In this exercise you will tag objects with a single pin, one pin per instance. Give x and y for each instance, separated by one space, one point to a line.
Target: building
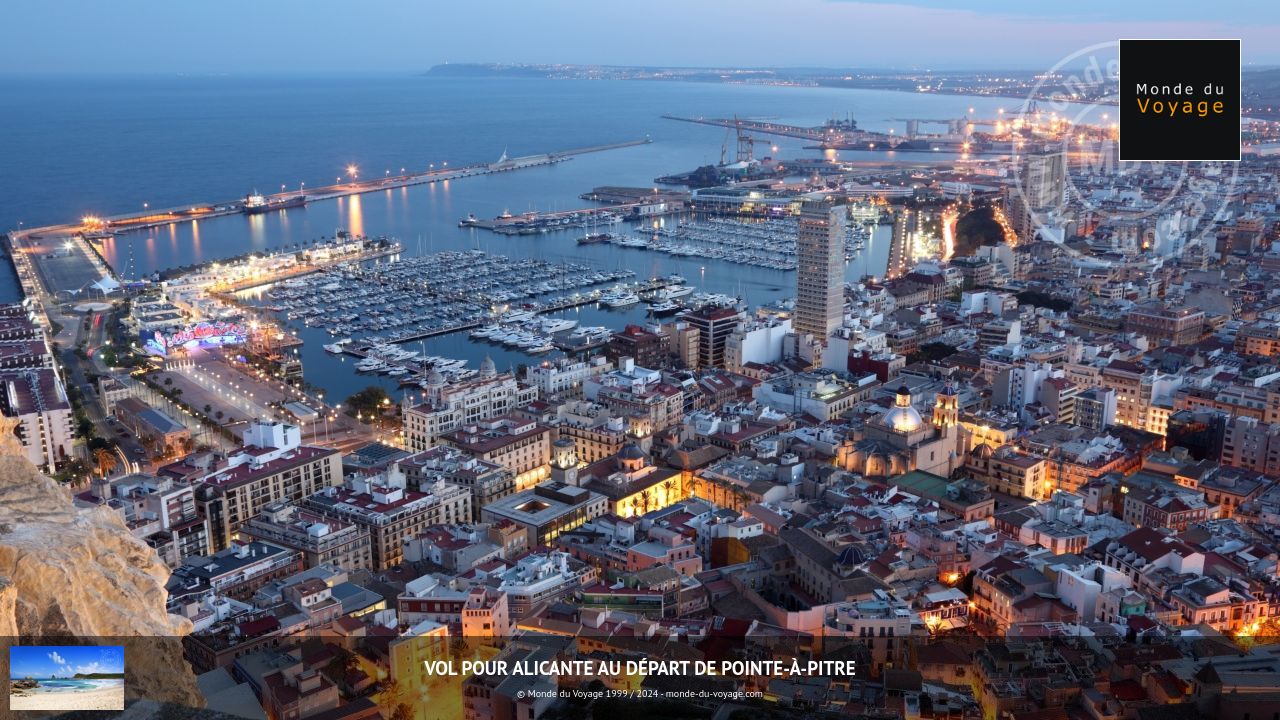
714 325
998 333
821 395
819 270
321 539
389 512
445 407
272 465
900 440
648 346
486 615
237 571
520 445
596 431
487 481
160 433
1251 444
1158 508
1095 408
1162 325
639 394
756 340
36 398
1007 470
1040 191
157 510
564 377
630 482
886 625
547 510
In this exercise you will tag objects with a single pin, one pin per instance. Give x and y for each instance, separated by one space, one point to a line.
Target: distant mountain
99 676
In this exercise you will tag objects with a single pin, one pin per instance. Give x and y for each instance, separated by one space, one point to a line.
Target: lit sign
199 335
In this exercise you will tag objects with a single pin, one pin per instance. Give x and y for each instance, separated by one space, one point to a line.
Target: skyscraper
1041 189
820 275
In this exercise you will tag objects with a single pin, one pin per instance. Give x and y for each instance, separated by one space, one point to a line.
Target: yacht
664 307
671 292
618 300
555 325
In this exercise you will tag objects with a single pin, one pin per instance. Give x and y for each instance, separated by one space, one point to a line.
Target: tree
208 408
105 460
168 381
402 712
218 415
368 401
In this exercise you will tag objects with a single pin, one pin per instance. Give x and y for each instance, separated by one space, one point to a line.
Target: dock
38 241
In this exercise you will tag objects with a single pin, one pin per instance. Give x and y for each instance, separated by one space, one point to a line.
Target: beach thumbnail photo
66 677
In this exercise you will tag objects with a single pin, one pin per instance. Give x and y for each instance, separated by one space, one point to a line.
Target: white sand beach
103 698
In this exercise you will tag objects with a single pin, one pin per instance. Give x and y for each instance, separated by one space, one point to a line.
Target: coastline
104 698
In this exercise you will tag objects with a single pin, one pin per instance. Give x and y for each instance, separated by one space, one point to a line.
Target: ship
255 203
593 238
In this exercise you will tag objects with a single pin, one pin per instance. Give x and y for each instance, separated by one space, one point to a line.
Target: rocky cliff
72 574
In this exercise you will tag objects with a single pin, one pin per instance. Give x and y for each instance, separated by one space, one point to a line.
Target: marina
435 294
768 243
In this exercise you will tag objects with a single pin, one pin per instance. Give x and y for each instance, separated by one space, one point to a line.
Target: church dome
851 555
487 368
631 451
903 418
435 377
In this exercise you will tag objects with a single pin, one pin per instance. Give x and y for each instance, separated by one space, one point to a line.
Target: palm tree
105 460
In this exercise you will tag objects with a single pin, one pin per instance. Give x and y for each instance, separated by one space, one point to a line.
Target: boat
255 203
469 221
620 299
335 348
665 307
593 238
555 325
671 292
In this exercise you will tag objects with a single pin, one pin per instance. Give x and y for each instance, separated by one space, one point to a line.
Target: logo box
1180 100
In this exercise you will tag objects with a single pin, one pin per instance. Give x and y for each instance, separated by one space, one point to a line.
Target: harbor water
106 146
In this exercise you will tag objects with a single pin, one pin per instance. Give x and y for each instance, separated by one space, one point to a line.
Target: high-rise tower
820 275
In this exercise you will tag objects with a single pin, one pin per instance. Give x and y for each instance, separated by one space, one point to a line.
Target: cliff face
69 574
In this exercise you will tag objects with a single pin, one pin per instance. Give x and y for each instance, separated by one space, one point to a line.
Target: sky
42 661
409 36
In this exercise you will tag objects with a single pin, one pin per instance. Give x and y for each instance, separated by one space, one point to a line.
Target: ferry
255 203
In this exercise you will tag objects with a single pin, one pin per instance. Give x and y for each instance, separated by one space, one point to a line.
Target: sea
71 685
77 146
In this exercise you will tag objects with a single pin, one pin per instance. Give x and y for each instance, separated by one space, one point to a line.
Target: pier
32 247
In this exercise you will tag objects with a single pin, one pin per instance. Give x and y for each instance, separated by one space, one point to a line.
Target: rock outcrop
71 574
